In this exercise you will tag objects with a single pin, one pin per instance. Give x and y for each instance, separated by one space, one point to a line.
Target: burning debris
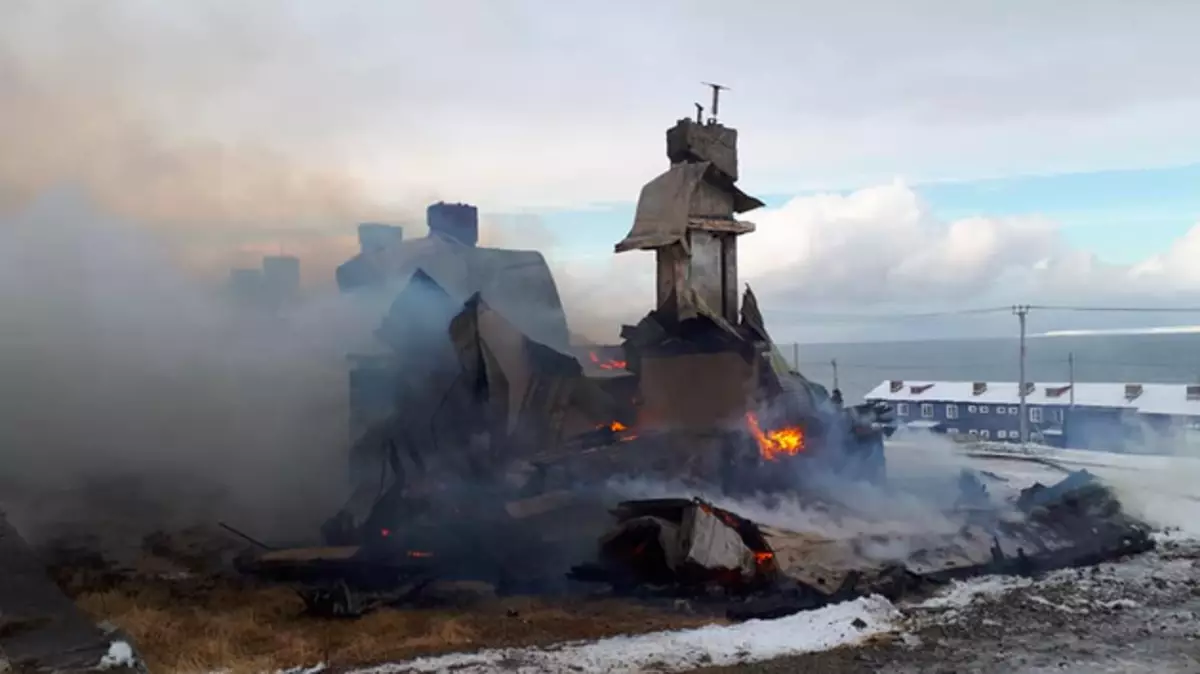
771 444
487 448
694 547
497 464
610 364
511 460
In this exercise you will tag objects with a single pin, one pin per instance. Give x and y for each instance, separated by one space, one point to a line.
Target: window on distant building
999 410
951 431
1002 434
902 409
983 434
974 432
951 411
927 410
1035 415
1058 415
983 409
1013 411
971 409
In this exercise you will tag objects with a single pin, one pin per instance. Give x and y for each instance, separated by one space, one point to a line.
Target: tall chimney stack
686 216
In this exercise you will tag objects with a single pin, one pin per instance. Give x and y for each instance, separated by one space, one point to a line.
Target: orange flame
620 429
607 364
771 444
762 558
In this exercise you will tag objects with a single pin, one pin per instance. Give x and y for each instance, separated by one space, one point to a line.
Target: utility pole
835 377
1021 312
1064 421
1071 374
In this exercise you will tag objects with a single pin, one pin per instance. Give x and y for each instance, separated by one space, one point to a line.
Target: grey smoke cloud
120 101
118 368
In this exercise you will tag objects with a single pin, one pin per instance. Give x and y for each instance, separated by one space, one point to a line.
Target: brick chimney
456 222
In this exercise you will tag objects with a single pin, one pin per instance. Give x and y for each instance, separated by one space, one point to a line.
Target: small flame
620 428
610 364
419 554
771 444
762 558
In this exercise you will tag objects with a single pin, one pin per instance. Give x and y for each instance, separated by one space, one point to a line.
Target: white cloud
881 250
1176 268
884 245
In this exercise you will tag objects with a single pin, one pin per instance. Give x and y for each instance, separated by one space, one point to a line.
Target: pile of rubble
694 547
495 460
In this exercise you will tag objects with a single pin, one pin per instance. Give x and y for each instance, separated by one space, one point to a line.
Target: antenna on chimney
716 91
699 113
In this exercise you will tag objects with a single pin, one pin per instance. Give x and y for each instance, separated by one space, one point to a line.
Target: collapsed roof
517 283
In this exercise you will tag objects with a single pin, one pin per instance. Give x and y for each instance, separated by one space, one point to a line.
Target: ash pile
498 450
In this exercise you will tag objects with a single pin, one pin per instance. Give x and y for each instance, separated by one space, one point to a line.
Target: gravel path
1138 615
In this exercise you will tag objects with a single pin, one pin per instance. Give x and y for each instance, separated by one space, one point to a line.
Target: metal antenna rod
699 113
716 99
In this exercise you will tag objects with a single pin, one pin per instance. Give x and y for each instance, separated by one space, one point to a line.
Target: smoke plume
126 104
121 374
133 177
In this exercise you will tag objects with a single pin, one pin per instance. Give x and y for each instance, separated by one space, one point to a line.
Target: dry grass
254 629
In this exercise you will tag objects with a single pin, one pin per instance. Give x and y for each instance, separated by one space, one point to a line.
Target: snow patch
303 670
120 654
962 593
1121 604
837 625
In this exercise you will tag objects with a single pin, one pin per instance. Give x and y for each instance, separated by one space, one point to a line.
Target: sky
916 155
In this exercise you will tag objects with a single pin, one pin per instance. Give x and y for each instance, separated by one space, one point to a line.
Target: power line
955 364
1114 310
891 316
850 316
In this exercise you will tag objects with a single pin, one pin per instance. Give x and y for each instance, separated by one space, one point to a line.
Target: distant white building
1111 416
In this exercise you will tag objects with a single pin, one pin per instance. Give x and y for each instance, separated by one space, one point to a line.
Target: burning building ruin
486 448
508 449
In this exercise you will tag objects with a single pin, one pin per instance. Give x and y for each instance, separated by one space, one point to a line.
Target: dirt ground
256 630
1140 615
183 621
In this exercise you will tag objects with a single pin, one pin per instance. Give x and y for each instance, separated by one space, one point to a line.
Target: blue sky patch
1121 216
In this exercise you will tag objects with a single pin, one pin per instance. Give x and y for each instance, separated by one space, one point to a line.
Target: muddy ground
1137 615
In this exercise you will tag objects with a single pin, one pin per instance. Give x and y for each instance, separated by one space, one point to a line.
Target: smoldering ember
493 454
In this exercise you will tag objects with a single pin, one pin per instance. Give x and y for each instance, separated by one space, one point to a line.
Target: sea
1123 358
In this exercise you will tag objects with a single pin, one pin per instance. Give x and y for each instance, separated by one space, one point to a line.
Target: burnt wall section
41 629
